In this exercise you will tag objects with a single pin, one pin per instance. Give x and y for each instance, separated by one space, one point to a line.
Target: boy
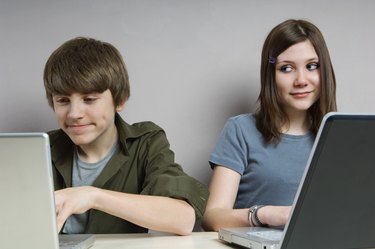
109 176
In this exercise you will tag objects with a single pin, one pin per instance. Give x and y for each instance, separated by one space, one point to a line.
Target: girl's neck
299 124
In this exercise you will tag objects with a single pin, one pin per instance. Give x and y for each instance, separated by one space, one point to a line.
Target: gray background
192 64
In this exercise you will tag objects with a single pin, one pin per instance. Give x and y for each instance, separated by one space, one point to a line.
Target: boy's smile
77 129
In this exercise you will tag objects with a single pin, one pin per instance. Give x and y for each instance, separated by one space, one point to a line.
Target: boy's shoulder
139 129
146 125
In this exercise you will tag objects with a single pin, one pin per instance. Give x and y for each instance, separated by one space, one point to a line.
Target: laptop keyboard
67 243
269 235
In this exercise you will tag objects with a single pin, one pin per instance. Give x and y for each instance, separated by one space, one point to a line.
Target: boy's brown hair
86 65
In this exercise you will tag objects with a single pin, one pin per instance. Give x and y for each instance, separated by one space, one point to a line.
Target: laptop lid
334 203
27 210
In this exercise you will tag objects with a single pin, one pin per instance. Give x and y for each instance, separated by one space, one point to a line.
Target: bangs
85 66
84 74
68 83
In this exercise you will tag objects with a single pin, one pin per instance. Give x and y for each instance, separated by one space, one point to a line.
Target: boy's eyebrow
70 94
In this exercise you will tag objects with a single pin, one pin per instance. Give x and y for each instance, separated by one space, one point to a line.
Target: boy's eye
62 100
312 66
286 68
89 99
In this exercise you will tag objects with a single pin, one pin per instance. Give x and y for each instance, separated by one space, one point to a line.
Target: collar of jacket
62 151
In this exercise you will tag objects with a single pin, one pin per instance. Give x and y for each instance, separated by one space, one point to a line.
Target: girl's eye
286 68
312 66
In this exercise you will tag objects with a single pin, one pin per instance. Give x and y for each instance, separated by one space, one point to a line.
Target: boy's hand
76 200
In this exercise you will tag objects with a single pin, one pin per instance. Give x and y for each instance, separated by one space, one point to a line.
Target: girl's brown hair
270 115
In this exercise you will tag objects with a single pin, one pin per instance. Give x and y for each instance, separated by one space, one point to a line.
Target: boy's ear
121 106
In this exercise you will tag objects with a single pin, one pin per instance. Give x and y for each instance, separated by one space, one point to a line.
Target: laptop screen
337 196
27 210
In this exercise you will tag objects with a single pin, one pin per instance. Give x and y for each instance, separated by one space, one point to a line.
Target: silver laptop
335 202
27 209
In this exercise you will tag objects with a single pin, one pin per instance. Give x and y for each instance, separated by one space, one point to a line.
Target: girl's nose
300 79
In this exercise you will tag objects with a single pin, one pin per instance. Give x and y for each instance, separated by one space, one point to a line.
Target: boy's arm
153 212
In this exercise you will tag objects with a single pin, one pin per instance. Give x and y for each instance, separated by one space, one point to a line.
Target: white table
199 240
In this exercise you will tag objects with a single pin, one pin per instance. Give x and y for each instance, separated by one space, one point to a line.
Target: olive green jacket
144 164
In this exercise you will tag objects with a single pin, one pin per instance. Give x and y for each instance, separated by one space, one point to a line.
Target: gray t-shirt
270 173
84 174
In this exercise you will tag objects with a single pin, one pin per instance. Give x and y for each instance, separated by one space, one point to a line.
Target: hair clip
271 59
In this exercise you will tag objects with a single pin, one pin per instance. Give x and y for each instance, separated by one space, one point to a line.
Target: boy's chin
80 140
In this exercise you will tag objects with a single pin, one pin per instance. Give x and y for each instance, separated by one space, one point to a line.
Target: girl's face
298 77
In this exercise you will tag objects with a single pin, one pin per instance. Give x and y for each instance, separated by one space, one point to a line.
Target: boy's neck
98 149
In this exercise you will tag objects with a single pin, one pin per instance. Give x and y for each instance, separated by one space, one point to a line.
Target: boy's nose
75 110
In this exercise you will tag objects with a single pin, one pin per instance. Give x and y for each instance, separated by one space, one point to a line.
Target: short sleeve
231 149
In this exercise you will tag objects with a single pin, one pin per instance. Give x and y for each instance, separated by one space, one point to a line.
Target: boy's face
88 119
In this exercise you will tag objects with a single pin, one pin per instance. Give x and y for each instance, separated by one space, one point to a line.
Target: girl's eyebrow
292 62
285 62
313 59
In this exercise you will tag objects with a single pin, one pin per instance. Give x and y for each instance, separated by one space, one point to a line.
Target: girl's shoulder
245 120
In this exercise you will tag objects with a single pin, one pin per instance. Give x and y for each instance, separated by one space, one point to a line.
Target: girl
260 158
